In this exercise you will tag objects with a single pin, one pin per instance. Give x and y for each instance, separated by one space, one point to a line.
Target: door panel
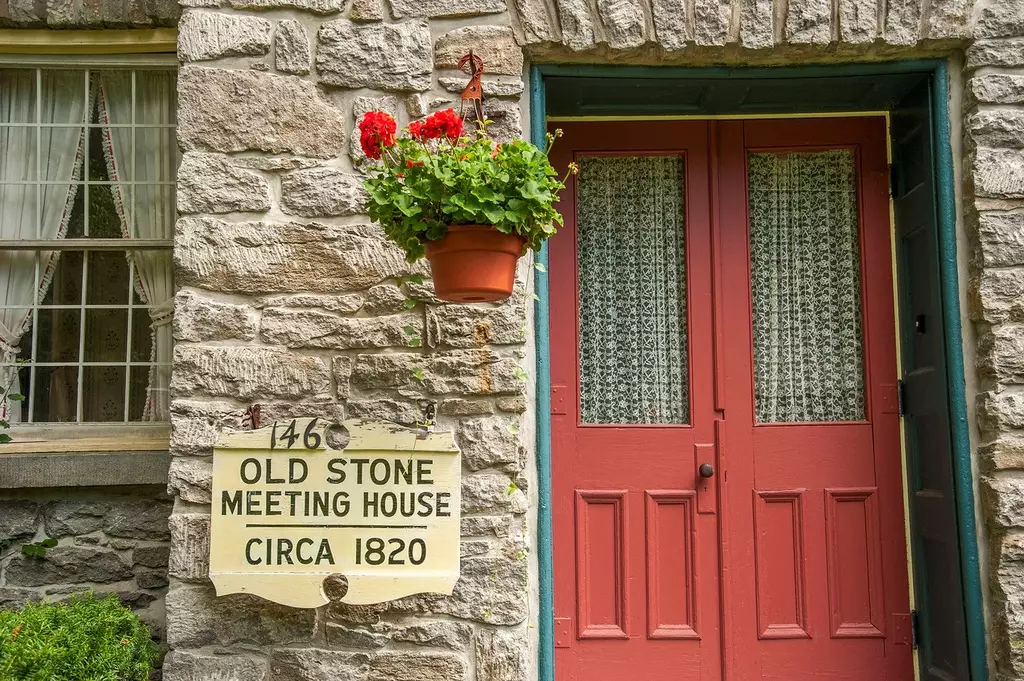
635 560
721 293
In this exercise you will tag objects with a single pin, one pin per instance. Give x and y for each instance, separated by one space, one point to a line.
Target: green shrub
82 639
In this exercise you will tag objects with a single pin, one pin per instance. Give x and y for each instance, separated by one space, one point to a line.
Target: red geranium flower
376 133
416 130
443 124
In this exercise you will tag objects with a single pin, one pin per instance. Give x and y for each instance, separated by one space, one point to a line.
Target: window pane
103 393
805 269
632 290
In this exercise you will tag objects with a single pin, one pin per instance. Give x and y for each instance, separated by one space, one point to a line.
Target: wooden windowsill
108 41
67 438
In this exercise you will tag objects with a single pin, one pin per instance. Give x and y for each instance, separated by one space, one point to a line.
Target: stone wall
88 14
110 540
290 299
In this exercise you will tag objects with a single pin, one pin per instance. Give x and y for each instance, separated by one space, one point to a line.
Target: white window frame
106 50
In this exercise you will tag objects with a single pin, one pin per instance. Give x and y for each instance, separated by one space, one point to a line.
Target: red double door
727 480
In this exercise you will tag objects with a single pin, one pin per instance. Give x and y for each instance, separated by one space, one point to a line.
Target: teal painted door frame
946 204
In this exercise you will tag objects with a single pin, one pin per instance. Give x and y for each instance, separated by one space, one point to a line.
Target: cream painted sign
290 510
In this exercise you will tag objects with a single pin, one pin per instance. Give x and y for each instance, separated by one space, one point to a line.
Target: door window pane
632 290
805 269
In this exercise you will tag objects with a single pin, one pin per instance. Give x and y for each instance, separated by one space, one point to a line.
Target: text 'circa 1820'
289 510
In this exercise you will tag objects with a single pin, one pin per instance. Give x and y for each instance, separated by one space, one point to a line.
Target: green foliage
422 187
7 395
38 549
81 639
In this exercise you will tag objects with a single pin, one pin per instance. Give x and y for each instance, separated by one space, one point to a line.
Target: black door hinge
901 397
914 623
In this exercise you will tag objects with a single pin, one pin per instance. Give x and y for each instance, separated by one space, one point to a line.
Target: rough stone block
903 22
439 634
492 87
997 128
72 517
349 302
68 565
382 56
139 519
441 8
516 405
1001 239
1004 495
156 556
468 372
999 296
320 192
997 88
577 24
341 368
624 23
459 407
406 666
264 257
858 21
186 665
312 6
1006 452
757 27
151 579
247 373
507 117
536 22
291 47
1001 409
501 655
199 318
405 413
18 519
949 19
1000 19
189 558
15 599
487 443
314 664
237 110
1008 52
196 618
342 636
323 330
491 492
385 299
471 326
809 22
209 183
671 24
196 425
998 173
191 478
206 35
711 27
1001 354
366 10
486 526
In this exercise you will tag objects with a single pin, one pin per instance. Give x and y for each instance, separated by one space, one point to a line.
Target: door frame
945 203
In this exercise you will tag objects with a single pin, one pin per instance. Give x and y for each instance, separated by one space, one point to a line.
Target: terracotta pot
474 263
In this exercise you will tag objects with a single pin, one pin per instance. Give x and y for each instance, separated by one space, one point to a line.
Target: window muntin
86 279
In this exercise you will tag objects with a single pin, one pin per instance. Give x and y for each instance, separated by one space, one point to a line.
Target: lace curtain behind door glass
632 290
805 270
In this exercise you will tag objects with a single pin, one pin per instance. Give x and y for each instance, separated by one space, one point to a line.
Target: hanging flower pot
471 206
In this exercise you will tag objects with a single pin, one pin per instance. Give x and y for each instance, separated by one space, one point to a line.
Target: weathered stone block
501 655
1001 409
487 443
15 599
191 478
385 299
507 117
671 24
366 10
383 56
68 565
486 525
405 666
196 618
997 128
460 407
1004 453
155 556
139 519
313 664
809 22
998 173
1000 19
1008 52
18 519
199 318
1001 353
1004 495
997 88
577 24
239 110
190 547
536 22
1001 239
405 413
323 330
291 47
319 192
516 405
72 517
858 21
492 87
438 634
624 23
185 665
341 368
491 492
211 35
349 302
196 425
440 8
711 27
209 183
151 579
469 372
355 637
757 27
247 373
264 257
312 6
949 19
999 296
469 326
902 22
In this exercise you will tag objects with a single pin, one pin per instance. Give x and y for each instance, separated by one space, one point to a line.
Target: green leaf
512 488
409 303
415 279
536 297
539 266
48 543
409 331
4 438
417 373
17 397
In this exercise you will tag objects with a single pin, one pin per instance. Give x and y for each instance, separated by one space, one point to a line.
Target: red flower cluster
446 124
376 133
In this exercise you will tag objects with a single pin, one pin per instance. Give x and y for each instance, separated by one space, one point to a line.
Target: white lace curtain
146 210
30 211
805 268
632 290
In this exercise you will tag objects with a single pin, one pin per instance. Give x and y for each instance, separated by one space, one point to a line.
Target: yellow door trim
104 41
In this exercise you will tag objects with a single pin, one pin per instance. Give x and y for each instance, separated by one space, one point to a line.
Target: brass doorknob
706 470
